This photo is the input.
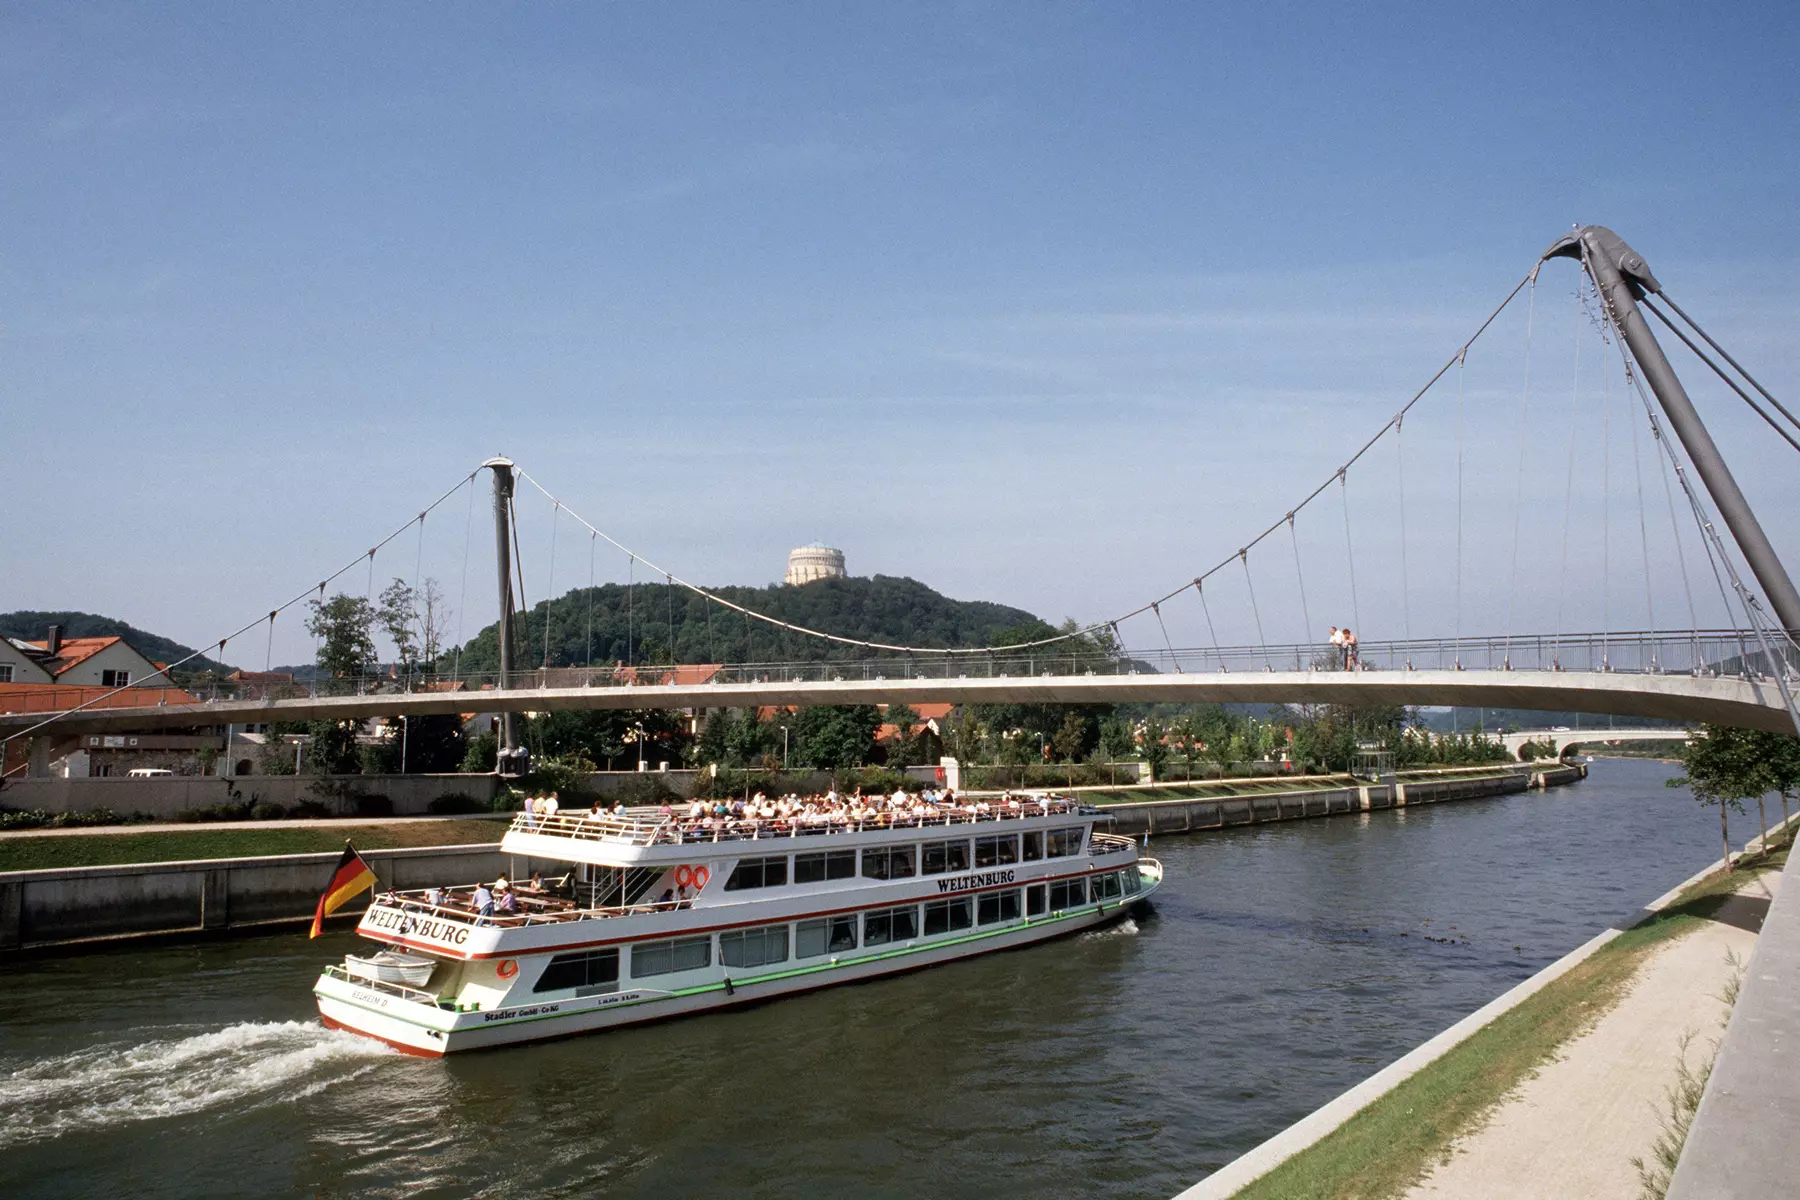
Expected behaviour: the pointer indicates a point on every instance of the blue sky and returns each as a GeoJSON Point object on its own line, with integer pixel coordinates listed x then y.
{"type": "Point", "coordinates": [1047, 304]}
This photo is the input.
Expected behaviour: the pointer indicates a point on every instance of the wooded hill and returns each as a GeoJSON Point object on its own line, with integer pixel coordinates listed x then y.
{"type": "Point", "coordinates": [659, 623]}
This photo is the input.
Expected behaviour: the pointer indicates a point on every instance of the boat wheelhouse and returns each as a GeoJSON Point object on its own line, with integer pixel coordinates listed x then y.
{"type": "Point", "coordinates": [642, 915]}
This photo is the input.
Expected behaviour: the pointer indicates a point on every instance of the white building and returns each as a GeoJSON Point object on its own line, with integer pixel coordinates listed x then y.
{"type": "Point", "coordinates": [86, 662]}
{"type": "Point", "coordinates": [808, 564]}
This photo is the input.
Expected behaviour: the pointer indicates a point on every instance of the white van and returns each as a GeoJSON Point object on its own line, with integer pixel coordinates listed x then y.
{"type": "Point", "coordinates": [148, 772]}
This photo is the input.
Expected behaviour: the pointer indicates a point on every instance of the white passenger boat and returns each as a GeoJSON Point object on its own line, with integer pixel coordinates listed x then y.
{"type": "Point", "coordinates": [655, 916]}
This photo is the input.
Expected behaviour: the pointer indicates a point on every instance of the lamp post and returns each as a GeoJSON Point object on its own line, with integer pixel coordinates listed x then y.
{"type": "Point", "coordinates": [639, 726]}
{"type": "Point", "coordinates": [784, 747]}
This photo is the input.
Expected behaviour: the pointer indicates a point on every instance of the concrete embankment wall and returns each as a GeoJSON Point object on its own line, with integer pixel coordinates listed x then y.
{"type": "Point", "coordinates": [70, 904]}
{"type": "Point", "coordinates": [165, 797]}
{"type": "Point", "coordinates": [1188, 815]}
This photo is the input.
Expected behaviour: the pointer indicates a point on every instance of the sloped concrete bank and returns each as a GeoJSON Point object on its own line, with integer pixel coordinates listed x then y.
{"type": "Point", "coordinates": [73, 905]}
{"type": "Point", "coordinates": [1189, 815]}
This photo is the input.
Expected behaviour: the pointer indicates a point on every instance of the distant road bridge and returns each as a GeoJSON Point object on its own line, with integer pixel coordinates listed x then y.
{"type": "Point", "coordinates": [1562, 739]}
{"type": "Point", "coordinates": [1751, 703]}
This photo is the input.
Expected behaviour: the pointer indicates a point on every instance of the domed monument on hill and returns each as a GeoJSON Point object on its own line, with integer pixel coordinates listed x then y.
{"type": "Point", "coordinates": [807, 564]}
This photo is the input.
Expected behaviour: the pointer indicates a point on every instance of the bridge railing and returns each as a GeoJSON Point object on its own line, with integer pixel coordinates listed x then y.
{"type": "Point", "coordinates": [1708, 652]}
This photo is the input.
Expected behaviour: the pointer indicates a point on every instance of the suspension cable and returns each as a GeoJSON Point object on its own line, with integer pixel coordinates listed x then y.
{"type": "Point", "coordinates": [1086, 630]}
{"type": "Point", "coordinates": [1173, 657]}
{"type": "Point", "coordinates": [1724, 354]}
{"type": "Point", "coordinates": [1400, 478]}
{"type": "Point", "coordinates": [1300, 577]}
{"type": "Point", "coordinates": [1562, 571]}
{"type": "Point", "coordinates": [1349, 549]}
{"type": "Point", "coordinates": [1200, 591]}
{"type": "Point", "coordinates": [1637, 473]}
{"type": "Point", "coordinates": [1512, 587]}
{"type": "Point", "coordinates": [1461, 366]}
{"type": "Point", "coordinates": [630, 614]}
{"type": "Point", "coordinates": [1729, 381]}
{"type": "Point", "coordinates": [462, 588]}
{"type": "Point", "coordinates": [550, 587]}
{"type": "Point", "coordinates": [669, 587]}
{"type": "Point", "coordinates": [308, 594]}
{"type": "Point", "coordinates": [1261, 640]}
{"type": "Point", "coordinates": [1709, 539]}
{"type": "Point", "coordinates": [593, 544]}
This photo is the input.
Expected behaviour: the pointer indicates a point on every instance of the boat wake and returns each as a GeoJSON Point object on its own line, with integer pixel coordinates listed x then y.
{"type": "Point", "coordinates": [245, 1065]}
{"type": "Point", "coordinates": [1125, 928]}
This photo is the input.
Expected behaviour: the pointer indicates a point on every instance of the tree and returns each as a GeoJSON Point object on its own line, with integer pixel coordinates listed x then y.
{"type": "Point", "coordinates": [903, 746]}
{"type": "Point", "coordinates": [1117, 739]}
{"type": "Point", "coordinates": [1155, 750]}
{"type": "Point", "coordinates": [332, 748]}
{"type": "Point", "coordinates": [1070, 737]}
{"type": "Point", "coordinates": [968, 734]}
{"type": "Point", "coordinates": [421, 745]}
{"type": "Point", "coordinates": [346, 648]}
{"type": "Point", "coordinates": [836, 737]}
{"type": "Point", "coordinates": [1781, 758]}
{"type": "Point", "coordinates": [1724, 767]}
{"type": "Point", "coordinates": [397, 619]}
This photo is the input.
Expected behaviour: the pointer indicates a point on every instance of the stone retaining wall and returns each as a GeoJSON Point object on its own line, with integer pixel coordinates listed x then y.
{"type": "Point", "coordinates": [71, 904]}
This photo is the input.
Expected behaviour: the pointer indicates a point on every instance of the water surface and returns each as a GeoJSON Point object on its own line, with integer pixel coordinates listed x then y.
{"type": "Point", "coordinates": [1281, 965]}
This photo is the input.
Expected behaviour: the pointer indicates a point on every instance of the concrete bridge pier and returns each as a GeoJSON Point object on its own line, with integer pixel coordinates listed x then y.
{"type": "Point", "coordinates": [39, 750]}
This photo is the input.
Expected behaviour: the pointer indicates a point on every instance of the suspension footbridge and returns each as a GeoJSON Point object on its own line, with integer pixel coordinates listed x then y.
{"type": "Point", "coordinates": [1739, 669]}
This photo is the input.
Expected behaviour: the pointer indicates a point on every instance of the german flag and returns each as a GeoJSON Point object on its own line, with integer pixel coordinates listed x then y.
{"type": "Point", "coordinates": [350, 876]}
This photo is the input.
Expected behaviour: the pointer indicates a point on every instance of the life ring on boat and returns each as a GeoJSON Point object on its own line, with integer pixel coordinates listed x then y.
{"type": "Point", "coordinates": [701, 875]}
{"type": "Point", "coordinates": [684, 876]}
{"type": "Point", "coordinates": [507, 968]}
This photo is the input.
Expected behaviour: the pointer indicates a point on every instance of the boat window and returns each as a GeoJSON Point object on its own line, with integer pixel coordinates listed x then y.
{"type": "Point", "coordinates": [884, 925]}
{"type": "Point", "coordinates": [992, 851]}
{"type": "Point", "coordinates": [1106, 887]}
{"type": "Point", "coordinates": [1133, 881]}
{"type": "Point", "coordinates": [1034, 901]}
{"type": "Point", "coordinates": [824, 864]}
{"type": "Point", "coordinates": [992, 908]}
{"type": "Point", "coordinates": [1034, 845]}
{"type": "Point", "coordinates": [825, 935]}
{"type": "Point", "coordinates": [945, 916]}
{"type": "Point", "coordinates": [754, 947]}
{"type": "Point", "coordinates": [942, 857]}
{"type": "Point", "coordinates": [1062, 843]}
{"type": "Point", "coordinates": [589, 973]}
{"type": "Point", "coordinates": [676, 954]}
{"type": "Point", "coordinates": [1068, 893]}
{"type": "Point", "coordinates": [890, 863]}
{"type": "Point", "coordinates": [758, 872]}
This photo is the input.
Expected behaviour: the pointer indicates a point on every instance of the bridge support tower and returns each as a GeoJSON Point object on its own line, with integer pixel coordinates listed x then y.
{"type": "Point", "coordinates": [513, 759]}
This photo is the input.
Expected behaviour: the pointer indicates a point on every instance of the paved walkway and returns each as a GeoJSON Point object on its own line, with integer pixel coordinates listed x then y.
{"type": "Point", "coordinates": [1574, 1128]}
{"type": "Point", "coordinates": [202, 826]}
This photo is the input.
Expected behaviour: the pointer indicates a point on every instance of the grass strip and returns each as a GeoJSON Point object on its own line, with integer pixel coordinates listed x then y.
{"type": "Point", "coordinates": [106, 849]}
{"type": "Point", "coordinates": [1394, 1142]}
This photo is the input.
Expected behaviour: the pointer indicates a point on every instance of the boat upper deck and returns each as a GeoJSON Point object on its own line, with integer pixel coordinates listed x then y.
{"type": "Point", "coordinates": [627, 834]}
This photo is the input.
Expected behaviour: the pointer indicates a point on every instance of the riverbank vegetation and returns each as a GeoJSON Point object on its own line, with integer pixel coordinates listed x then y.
{"type": "Point", "coordinates": [46, 851]}
{"type": "Point", "coordinates": [1391, 1144]}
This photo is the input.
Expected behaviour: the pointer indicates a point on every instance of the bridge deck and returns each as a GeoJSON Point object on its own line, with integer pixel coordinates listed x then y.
{"type": "Point", "coordinates": [1750, 703]}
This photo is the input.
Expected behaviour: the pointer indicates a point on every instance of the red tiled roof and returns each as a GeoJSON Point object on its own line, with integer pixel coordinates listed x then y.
{"type": "Point", "coordinates": [75, 651]}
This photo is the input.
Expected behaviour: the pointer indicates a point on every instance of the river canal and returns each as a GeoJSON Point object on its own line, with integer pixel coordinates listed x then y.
{"type": "Point", "coordinates": [1282, 964]}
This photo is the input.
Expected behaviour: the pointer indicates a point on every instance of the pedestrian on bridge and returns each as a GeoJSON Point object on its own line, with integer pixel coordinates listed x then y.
{"type": "Point", "coordinates": [1351, 661]}
{"type": "Point", "coordinates": [1340, 647]}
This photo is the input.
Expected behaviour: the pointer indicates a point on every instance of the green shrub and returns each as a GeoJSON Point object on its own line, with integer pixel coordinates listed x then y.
{"type": "Point", "coordinates": [265, 810]}
{"type": "Point", "coordinates": [372, 806]}
{"type": "Point", "coordinates": [37, 818]}
{"type": "Point", "coordinates": [309, 808]}
{"type": "Point", "coordinates": [216, 812]}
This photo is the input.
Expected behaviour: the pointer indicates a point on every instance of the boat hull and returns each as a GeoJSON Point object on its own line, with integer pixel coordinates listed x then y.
{"type": "Point", "coordinates": [414, 1027]}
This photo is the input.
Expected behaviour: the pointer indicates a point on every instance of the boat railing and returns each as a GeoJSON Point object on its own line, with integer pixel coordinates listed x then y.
{"type": "Point", "coordinates": [535, 912]}
{"type": "Point", "coordinates": [669, 829]}
{"type": "Point", "coordinates": [381, 985]}
{"type": "Point", "coordinates": [1108, 843]}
